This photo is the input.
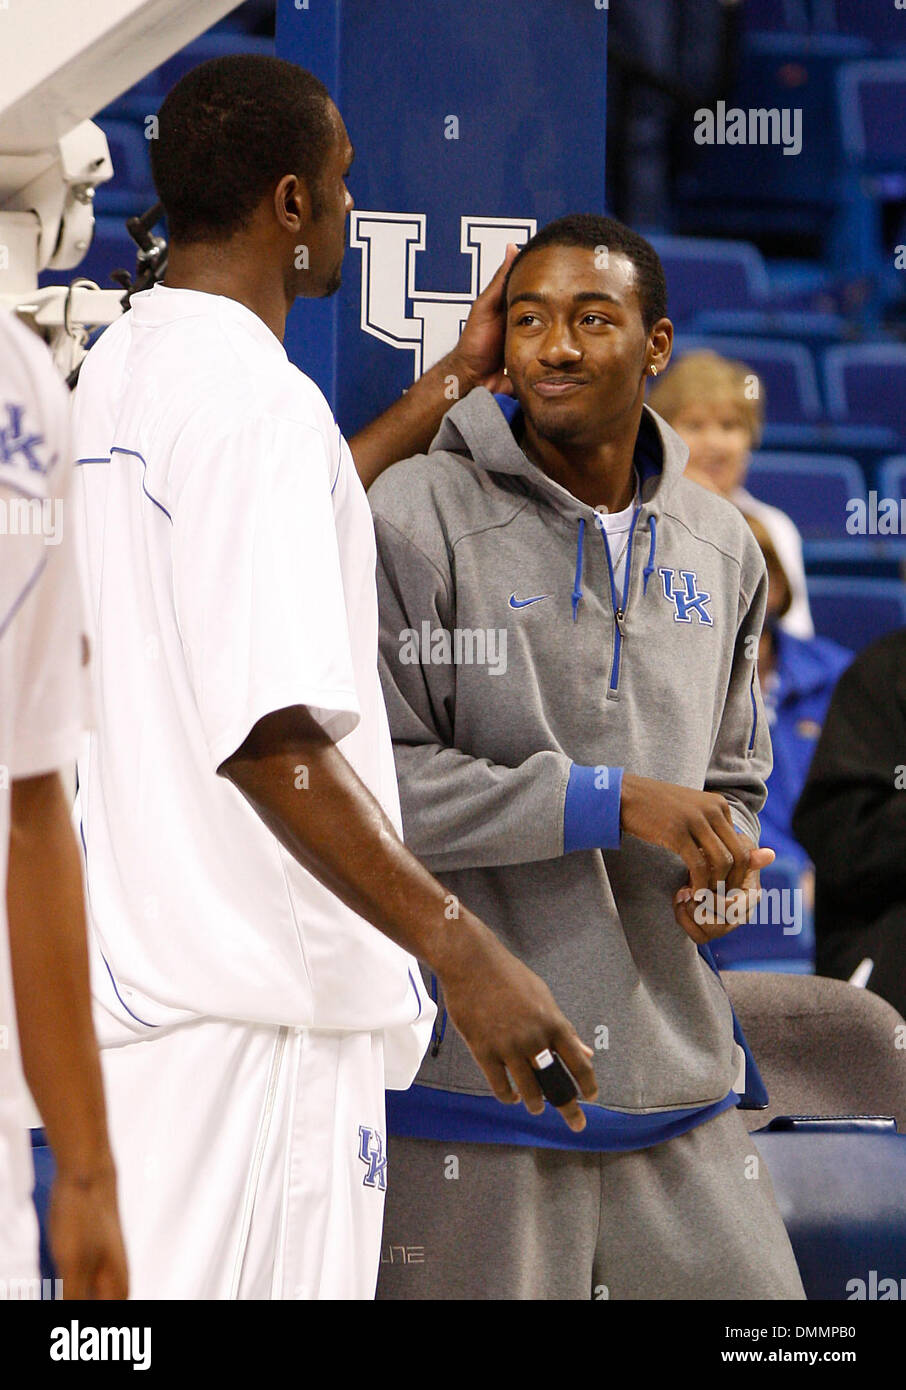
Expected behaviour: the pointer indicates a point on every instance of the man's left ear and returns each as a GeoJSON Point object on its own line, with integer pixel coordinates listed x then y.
{"type": "Point", "coordinates": [660, 347]}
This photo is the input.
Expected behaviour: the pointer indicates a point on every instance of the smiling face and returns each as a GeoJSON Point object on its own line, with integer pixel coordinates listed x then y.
{"type": "Point", "coordinates": [577, 350]}
{"type": "Point", "coordinates": [719, 440]}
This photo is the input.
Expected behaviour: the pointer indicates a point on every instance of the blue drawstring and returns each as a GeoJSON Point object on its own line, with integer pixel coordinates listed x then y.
{"type": "Point", "coordinates": [577, 584]}
{"type": "Point", "coordinates": [648, 571]}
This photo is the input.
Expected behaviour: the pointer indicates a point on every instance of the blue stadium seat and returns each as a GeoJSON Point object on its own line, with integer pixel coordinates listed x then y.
{"type": "Point", "coordinates": [707, 274]}
{"type": "Point", "coordinates": [856, 611]}
{"type": "Point", "coordinates": [811, 488]}
{"type": "Point", "coordinates": [786, 370]}
{"type": "Point", "coordinates": [717, 286]}
{"type": "Point", "coordinates": [892, 477]}
{"type": "Point", "coordinates": [839, 1185]}
{"type": "Point", "coordinates": [873, 114]}
{"type": "Point", "coordinates": [784, 940]}
{"type": "Point", "coordinates": [817, 491]}
{"type": "Point", "coordinates": [866, 384]}
{"type": "Point", "coordinates": [813, 328]}
{"type": "Point", "coordinates": [872, 102]}
{"type": "Point", "coordinates": [866, 443]}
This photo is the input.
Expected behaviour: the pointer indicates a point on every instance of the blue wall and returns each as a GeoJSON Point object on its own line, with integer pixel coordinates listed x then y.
{"type": "Point", "coordinates": [525, 80]}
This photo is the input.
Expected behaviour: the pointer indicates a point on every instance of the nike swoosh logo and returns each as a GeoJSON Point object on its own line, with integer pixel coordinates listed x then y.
{"type": "Point", "coordinates": [524, 602]}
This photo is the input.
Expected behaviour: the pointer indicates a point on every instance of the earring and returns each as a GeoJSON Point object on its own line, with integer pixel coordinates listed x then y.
{"type": "Point", "coordinates": [653, 369]}
{"type": "Point", "coordinates": [505, 372]}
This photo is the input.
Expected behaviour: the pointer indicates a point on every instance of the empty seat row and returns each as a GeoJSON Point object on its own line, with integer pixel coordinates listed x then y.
{"type": "Point", "coordinates": [864, 383]}
{"type": "Point", "coordinates": [722, 286]}
{"type": "Point", "coordinates": [856, 611]}
{"type": "Point", "coordinates": [839, 518]}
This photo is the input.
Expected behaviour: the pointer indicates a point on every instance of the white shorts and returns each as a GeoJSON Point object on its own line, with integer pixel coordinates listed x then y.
{"type": "Point", "coordinates": [251, 1161]}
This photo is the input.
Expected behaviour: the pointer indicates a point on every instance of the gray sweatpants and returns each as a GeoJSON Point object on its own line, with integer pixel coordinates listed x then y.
{"type": "Point", "coordinates": [693, 1218]}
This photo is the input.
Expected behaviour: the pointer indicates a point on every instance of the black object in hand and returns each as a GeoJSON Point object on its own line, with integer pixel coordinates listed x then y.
{"type": "Point", "coordinates": [555, 1081]}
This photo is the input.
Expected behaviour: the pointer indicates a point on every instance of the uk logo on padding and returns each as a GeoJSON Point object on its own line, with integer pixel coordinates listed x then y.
{"type": "Point", "coordinates": [371, 1153]}
{"type": "Point", "coordinates": [686, 597]}
{"type": "Point", "coordinates": [426, 323]}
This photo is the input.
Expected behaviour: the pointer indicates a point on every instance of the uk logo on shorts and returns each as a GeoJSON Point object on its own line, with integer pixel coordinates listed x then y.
{"type": "Point", "coordinates": [687, 598]}
{"type": "Point", "coordinates": [371, 1153]}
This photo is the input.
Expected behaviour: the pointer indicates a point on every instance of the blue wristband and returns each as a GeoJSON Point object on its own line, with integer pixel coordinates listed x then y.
{"type": "Point", "coordinates": [591, 813]}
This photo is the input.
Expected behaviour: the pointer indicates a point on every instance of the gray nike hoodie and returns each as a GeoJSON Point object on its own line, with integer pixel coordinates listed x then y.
{"type": "Point", "coordinates": [491, 699]}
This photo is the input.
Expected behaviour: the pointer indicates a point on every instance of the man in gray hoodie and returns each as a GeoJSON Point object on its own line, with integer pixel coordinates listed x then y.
{"type": "Point", "coordinates": [568, 638]}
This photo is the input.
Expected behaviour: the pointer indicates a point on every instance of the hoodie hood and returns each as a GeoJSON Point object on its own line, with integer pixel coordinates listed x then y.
{"type": "Point", "coordinates": [481, 427]}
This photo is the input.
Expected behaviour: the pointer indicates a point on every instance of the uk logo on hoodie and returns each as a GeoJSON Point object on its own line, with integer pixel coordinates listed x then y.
{"type": "Point", "coordinates": [686, 597]}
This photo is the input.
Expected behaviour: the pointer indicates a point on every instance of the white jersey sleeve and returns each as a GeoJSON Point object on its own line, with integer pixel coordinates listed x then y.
{"type": "Point", "coordinates": [258, 588]}
{"type": "Point", "coordinates": [42, 648]}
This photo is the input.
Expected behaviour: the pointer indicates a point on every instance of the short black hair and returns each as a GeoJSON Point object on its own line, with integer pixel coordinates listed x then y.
{"type": "Point", "coordinates": [228, 132]}
{"type": "Point", "coordinates": [588, 229]}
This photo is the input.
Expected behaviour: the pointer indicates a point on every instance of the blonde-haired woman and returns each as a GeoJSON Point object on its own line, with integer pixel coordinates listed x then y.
{"type": "Point", "coordinates": [716, 406]}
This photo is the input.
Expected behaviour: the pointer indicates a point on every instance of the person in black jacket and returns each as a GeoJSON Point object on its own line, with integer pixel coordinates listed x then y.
{"type": "Point", "coordinates": [851, 817]}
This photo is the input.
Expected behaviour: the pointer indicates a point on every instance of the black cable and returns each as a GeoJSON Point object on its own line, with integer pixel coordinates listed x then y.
{"type": "Point", "coordinates": [151, 265]}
